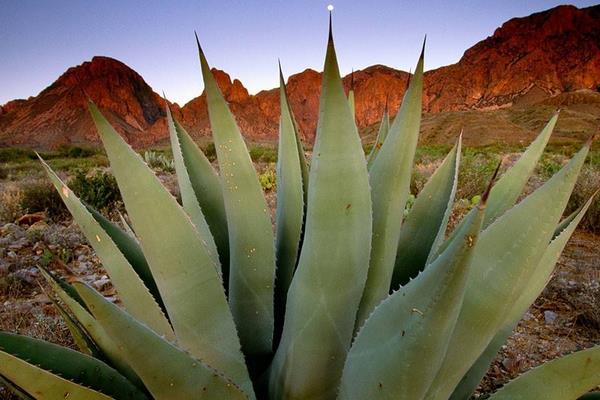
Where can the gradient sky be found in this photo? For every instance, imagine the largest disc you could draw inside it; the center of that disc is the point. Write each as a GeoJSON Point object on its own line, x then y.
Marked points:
{"type": "Point", "coordinates": [40, 39]}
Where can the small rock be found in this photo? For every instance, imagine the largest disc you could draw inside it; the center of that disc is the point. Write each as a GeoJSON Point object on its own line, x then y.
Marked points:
{"type": "Point", "coordinates": [101, 283]}
{"type": "Point", "coordinates": [549, 317]}
{"type": "Point", "coordinates": [39, 226]}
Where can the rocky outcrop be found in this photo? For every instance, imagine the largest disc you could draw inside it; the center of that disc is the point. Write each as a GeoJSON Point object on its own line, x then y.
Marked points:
{"type": "Point", "coordinates": [526, 61]}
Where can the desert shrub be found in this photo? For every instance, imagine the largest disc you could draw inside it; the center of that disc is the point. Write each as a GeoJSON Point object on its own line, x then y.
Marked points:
{"type": "Point", "coordinates": [14, 154]}
{"type": "Point", "coordinates": [476, 168]}
{"type": "Point", "coordinates": [98, 189]}
{"type": "Point", "coordinates": [159, 161]}
{"type": "Point", "coordinates": [264, 154]}
{"type": "Point", "coordinates": [548, 166]}
{"type": "Point", "coordinates": [41, 196]}
{"type": "Point", "coordinates": [75, 151]}
{"type": "Point", "coordinates": [210, 152]}
{"type": "Point", "coordinates": [10, 203]}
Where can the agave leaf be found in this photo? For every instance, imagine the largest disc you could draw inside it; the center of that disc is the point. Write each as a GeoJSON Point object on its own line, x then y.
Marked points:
{"type": "Point", "coordinates": [506, 192]}
{"type": "Point", "coordinates": [538, 281]}
{"type": "Point", "coordinates": [426, 223]}
{"type": "Point", "coordinates": [167, 371]}
{"type": "Point", "coordinates": [326, 288]}
{"type": "Point", "coordinates": [290, 205]}
{"type": "Point", "coordinates": [508, 252]}
{"type": "Point", "coordinates": [100, 338]}
{"type": "Point", "coordinates": [126, 226]}
{"type": "Point", "coordinates": [565, 378]}
{"type": "Point", "coordinates": [395, 355]}
{"type": "Point", "coordinates": [34, 365]}
{"type": "Point", "coordinates": [351, 103]}
{"type": "Point", "coordinates": [207, 187]}
{"type": "Point", "coordinates": [590, 396]}
{"type": "Point", "coordinates": [185, 273]}
{"type": "Point", "coordinates": [389, 178]}
{"type": "Point", "coordinates": [14, 389]}
{"type": "Point", "coordinates": [130, 247]}
{"type": "Point", "coordinates": [189, 196]}
{"type": "Point", "coordinates": [384, 128]}
{"type": "Point", "coordinates": [252, 256]}
{"type": "Point", "coordinates": [132, 291]}
{"type": "Point", "coordinates": [80, 337]}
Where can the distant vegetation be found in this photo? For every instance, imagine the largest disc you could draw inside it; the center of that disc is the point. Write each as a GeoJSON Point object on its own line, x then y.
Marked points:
{"type": "Point", "coordinates": [90, 179]}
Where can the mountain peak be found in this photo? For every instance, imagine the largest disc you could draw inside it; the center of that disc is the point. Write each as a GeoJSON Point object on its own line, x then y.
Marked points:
{"type": "Point", "coordinates": [527, 59]}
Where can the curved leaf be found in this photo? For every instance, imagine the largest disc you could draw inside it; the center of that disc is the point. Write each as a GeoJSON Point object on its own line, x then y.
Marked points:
{"type": "Point", "coordinates": [508, 252]}
{"type": "Point", "coordinates": [384, 128]}
{"type": "Point", "coordinates": [53, 364]}
{"type": "Point", "coordinates": [185, 273]}
{"type": "Point", "coordinates": [132, 291]}
{"type": "Point", "coordinates": [326, 288]}
{"type": "Point", "coordinates": [389, 178]}
{"type": "Point", "coordinates": [100, 339]}
{"type": "Point", "coordinates": [252, 256]}
{"type": "Point", "coordinates": [541, 276]}
{"type": "Point", "coordinates": [167, 371]}
{"type": "Point", "coordinates": [402, 344]}
{"type": "Point", "coordinates": [565, 378]}
{"type": "Point", "coordinates": [510, 186]}
{"type": "Point", "coordinates": [189, 196]}
{"type": "Point", "coordinates": [426, 223]}
{"type": "Point", "coordinates": [290, 205]}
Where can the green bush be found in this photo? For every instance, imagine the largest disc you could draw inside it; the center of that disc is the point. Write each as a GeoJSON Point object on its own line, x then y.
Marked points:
{"type": "Point", "coordinates": [13, 154]}
{"type": "Point", "coordinates": [264, 154]}
{"type": "Point", "coordinates": [41, 196]}
{"type": "Point", "coordinates": [75, 151]}
{"type": "Point", "coordinates": [210, 152]}
{"type": "Point", "coordinates": [268, 179]}
{"type": "Point", "coordinates": [98, 189]}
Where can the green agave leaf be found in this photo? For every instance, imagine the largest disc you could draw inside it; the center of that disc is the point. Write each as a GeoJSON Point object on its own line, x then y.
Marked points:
{"type": "Point", "coordinates": [384, 128]}
{"type": "Point", "coordinates": [252, 256]}
{"type": "Point", "coordinates": [510, 186]}
{"type": "Point", "coordinates": [395, 355]}
{"type": "Point", "coordinates": [189, 196]}
{"type": "Point", "coordinates": [14, 389]}
{"type": "Point", "coordinates": [185, 273]}
{"type": "Point", "coordinates": [351, 103]}
{"type": "Point", "coordinates": [42, 368]}
{"type": "Point", "coordinates": [565, 378]}
{"type": "Point", "coordinates": [326, 288]}
{"type": "Point", "coordinates": [426, 223]}
{"type": "Point", "coordinates": [590, 396]}
{"type": "Point", "coordinates": [126, 226]}
{"type": "Point", "coordinates": [508, 252]}
{"type": "Point", "coordinates": [389, 178]}
{"type": "Point", "coordinates": [290, 205]}
{"type": "Point", "coordinates": [130, 247]}
{"type": "Point", "coordinates": [132, 291]}
{"type": "Point", "coordinates": [207, 187]}
{"type": "Point", "coordinates": [80, 337]}
{"type": "Point", "coordinates": [109, 350]}
{"type": "Point", "coordinates": [167, 371]}
{"type": "Point", "coordinates": [538, 281]}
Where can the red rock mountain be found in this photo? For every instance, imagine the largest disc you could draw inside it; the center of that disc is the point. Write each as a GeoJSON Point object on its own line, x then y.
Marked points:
{"type": "Point", "coordinates": [526, 60]}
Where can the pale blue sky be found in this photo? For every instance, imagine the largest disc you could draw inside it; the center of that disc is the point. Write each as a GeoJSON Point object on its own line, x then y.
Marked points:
{"type": "Point", "coordinates": [40, 39]}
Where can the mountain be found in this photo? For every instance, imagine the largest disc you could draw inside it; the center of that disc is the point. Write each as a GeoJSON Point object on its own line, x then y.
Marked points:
{"type": "Point", "coordinates": [58, 115]}
{"type": "Point", "coordinates": [528, 62]}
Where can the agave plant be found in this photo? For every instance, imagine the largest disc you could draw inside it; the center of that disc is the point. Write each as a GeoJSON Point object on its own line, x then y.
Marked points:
{"type": "Point", "coordinates": [350, 299]}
